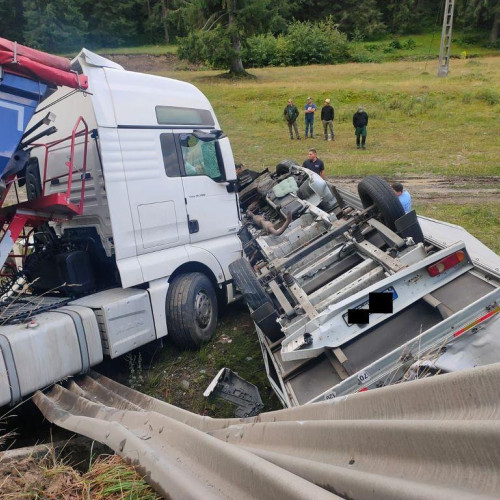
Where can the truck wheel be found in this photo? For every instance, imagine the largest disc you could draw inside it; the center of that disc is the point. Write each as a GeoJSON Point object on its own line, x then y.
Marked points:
{"type": "Point", "coordinates": [191, 310]}
{"type": "Point", "coordinates": [375, 191]}
{"type": "Point", "coordinates": [264, 313]}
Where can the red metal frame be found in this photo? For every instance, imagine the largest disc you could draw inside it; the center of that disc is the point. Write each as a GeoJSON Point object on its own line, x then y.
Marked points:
{"type": "Point", "coordinates": [55, 206]}
{"type": "Point", "coordinates": [47, 200]}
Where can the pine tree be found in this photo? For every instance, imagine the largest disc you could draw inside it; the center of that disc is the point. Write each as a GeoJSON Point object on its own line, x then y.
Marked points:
{"type": "Point", "coordinates": [111, 22]}
{"type": "Point", "coordinates": [54, 25]}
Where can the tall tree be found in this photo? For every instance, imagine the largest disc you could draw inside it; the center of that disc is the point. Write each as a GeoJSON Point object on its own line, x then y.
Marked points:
{"type": "Point", "coordinates": [486, 13]}
{"type": "Point", "coordinates": [359, 18]}
{"type": "Point", "coordinates": [111, 22]}
{"type": "Point", "coordinates": [217, 28]}
{"type": "Point", "coordinates": [11, 19]}
{"type": "Point", "coordinates": [399, 15]}
{"type": "Point", "coordinates": [54, 25]}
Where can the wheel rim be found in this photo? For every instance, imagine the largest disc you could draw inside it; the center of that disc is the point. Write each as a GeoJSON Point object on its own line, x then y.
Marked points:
{"type": "Point", "coordinates": [203, 309]}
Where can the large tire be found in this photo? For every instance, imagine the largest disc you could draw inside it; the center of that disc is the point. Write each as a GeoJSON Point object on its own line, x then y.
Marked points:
{"type": "Point", "coordinates": [375, 191]}
{"type": "Point", "coordinates": [264, 313]}
{"type": "Point", "coordinates": [191, 310]}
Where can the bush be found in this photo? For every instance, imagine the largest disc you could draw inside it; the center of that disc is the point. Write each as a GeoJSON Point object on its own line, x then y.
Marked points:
{"type": "Point", "coordinates": [266, 50]}
{"type": "Point", "coordinates": [317, 43]}
{"type": "Point", "coordinates": [304, 43]}
{"type": "Point", "coordinates": [410, 44]}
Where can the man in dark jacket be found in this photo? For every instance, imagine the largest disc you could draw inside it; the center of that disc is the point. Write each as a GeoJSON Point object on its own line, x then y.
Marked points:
{"type": "Point", "coordinates": [291, 114]}
{"type": "Point", "coordinates": [314, 163]}
{"type": "Point", "coordinates": [327, 116]}
{"type": "Point", "coordinates": [360, 121]}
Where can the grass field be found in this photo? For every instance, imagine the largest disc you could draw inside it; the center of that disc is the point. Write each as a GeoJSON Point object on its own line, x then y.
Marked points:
{"type": "Point", "coordinates": [419, 123]}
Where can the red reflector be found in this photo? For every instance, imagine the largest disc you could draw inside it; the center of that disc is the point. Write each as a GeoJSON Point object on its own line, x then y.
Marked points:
{"type": "Point", "coordinates": [447, 263]}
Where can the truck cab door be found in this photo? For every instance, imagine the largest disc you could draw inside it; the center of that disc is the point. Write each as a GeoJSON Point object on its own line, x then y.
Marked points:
{"type": "Point", "coordinates": [211, 201]}
{"type": "Point", "coordinates": [154, 188]}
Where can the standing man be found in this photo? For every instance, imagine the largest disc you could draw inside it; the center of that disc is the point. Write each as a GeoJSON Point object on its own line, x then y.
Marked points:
{"type": "Point", "coordinates": [309, 110]}
{"type": "Point", "coordinates": [327, 116]}
{"type": "Point", "coordinates": [291, 114]}
{"type": "Point", "coordinates": [314, 163]}
{"type": "Point", "coordinates": [360, 121]}
{"type": "Point", "coordinates": [403, 196]}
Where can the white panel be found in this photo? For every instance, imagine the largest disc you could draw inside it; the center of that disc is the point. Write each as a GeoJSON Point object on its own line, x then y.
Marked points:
{"type": "Point", "coordinates": [217, 254]}
{"type": "Point", "coordinates": [136, 95]}
{"type": "Point", "coordinates": [158, 296]}
{"type": "Point", "coordinates": [162, 263]}
{"type": "Point", "coordinates": [46, 353]}
{"type": "Point", "coordinates": [127, 319]}
{"type": "Point", "coordinates": [92, 334]}
{"type": "Point", "coordinates": [147, 184]}
{"type": "Point", "coordinates": [4, 383]}
{"type": "Point", "coordinates": [118, 199]}
{"type": "Point", "coordinates": [158, 224]}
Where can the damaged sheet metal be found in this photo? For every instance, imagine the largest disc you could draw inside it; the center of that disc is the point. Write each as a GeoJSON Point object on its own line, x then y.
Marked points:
{"type": "Point", "coordinates": [435, 438]}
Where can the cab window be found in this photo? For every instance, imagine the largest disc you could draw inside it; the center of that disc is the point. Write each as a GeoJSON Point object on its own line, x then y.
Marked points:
{"type": "Point", "coordinates": [200, 157]}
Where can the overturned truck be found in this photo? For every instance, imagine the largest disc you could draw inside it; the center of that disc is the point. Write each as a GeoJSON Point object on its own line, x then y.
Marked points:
{"type": "Point", "coordinates": [349, 293]}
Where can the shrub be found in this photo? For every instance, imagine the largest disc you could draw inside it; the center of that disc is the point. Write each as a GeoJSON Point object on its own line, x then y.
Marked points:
{"type": "Point", "coordinates": [410, 44]}
{"type": "Point", "coordinates": [488, 96]}
{"type": "Point", "coordinates": [304, 43]}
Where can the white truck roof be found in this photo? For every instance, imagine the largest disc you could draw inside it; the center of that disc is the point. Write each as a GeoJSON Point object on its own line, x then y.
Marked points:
{"type": "Point", "coordinates": [112, 86]}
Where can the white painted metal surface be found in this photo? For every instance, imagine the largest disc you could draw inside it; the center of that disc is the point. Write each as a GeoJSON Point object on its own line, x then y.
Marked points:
{"type": "Point", "coordinates": [45, 350]}
{"type": "Point", "coordinates": [124, 316]}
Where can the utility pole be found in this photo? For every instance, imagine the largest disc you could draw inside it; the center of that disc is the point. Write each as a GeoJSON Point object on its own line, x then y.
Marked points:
{"type": "Point", "coordinates": [444, 51]}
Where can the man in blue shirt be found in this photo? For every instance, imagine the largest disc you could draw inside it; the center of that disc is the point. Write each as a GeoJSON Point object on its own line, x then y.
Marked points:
{"type": "Point", "coordinates": [403, 196]}
{"type": "Point", "coordinates": [309, 110]}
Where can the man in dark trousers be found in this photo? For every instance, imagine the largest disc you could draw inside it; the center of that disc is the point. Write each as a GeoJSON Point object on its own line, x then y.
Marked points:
{"type": "Point", "coordinates": [314, 163]}
{"type": "Point", "coordinates": [291, 114]}
{"type": "Point", "coordinates": [360, 121]}
{"type": "Point", "coordinates": [309, 110]}
{"type": "Point", "coordinates": [327, 116]}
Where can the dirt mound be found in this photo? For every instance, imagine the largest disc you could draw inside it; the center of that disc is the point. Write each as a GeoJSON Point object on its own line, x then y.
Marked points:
{"type": "Point", "coordinates": [146, 63]}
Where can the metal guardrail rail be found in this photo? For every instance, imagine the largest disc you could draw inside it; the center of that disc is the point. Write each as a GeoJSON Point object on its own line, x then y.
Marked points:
{"type": "Point", "coordinates": [434, 438]}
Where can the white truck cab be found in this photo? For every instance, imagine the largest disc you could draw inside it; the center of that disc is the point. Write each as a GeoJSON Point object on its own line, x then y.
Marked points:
{"type": "Point", "coordinates": [149, 253]}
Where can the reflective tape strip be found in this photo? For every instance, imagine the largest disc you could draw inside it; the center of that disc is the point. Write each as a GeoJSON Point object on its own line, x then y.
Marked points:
{"type": "Point", "coordinates": [476, 322]}
{"type": "Point", "coordinates": [10, 364]}
{"type": "Point", "coordinates": [80, 333]}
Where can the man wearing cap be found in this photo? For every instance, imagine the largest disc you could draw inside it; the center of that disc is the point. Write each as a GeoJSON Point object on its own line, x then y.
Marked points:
{"type": "Point", "coordinates": [360, 121]}
{"type": "Point", "coordinates": [327, 116]}
{"type": "Point", "coordinates": [309, 110]}
{"type": "Point", "coordinates": [291, 114]}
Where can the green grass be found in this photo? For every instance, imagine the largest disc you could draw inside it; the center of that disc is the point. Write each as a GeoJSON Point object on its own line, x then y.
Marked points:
{"type": "Point", "coordinates": [481, 220]}
{"type": "Point", "coordinates": [180, 377]}
{"type": "Point", "coordinates": [425, 46]}
{"type": "Point", "coordinates": [419, 123]}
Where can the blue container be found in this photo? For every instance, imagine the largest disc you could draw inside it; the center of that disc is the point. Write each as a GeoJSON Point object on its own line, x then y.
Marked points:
{"type": "Point", "coordinates": [19, 98]}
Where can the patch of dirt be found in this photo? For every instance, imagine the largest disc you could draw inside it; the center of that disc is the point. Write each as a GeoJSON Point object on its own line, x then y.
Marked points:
{"type": "Point", "coordinates": [146, 63]}
{"type": "Point", "coordinates": [435, 189]}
